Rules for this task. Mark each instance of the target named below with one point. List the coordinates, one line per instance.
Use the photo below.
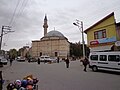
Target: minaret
(45, 26)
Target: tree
(12, 53)
(19, 51)
(76, 50)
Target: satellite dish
(117, 43)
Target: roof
(111, 14)
(54, 33)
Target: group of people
(84, 61)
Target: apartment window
(100, 34)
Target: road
(57, 77)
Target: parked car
(53, 59)
(21, 59)
(33, 59)
(3, 60)
(45, 58)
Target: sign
(103, 40)
(106, 40)
(94, 42)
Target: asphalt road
(57, 77)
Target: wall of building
(49, 47)
(108, 24)
(118, 31)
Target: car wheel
(94, 68)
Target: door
(56, 54)
(102, 62)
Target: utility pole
(79, 24)
(1, 37)
(5, 30)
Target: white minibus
(105, 61)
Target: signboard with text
(104, 40)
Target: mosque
(53, 44)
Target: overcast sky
(26, 18)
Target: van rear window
(94, 57)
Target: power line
(13, 18)
(14, 12)
(21, 9)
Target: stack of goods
(28, 83)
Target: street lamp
(79, 24)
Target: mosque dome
(54, 33)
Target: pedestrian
(1, 81)
(38, 60)
(29, 59)
(58, 60)
(85, 62)
(67, 62)
(11, 60)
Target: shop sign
(94, 42)
(104, 40)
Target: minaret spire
(45, 25)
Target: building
(53, 44)
(103, 35)
(24, 51)
(118, 31)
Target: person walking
(29, 59)
(1, 81)
(58, 60)
(85, 62)
(67, 62)
(38, 60)
(11, 60)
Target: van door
(102, 62)
(114, 62)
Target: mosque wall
(53, 48)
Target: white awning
(101, 48)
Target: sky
(26, 18)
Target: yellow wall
(108, 24)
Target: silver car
(3, 60)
